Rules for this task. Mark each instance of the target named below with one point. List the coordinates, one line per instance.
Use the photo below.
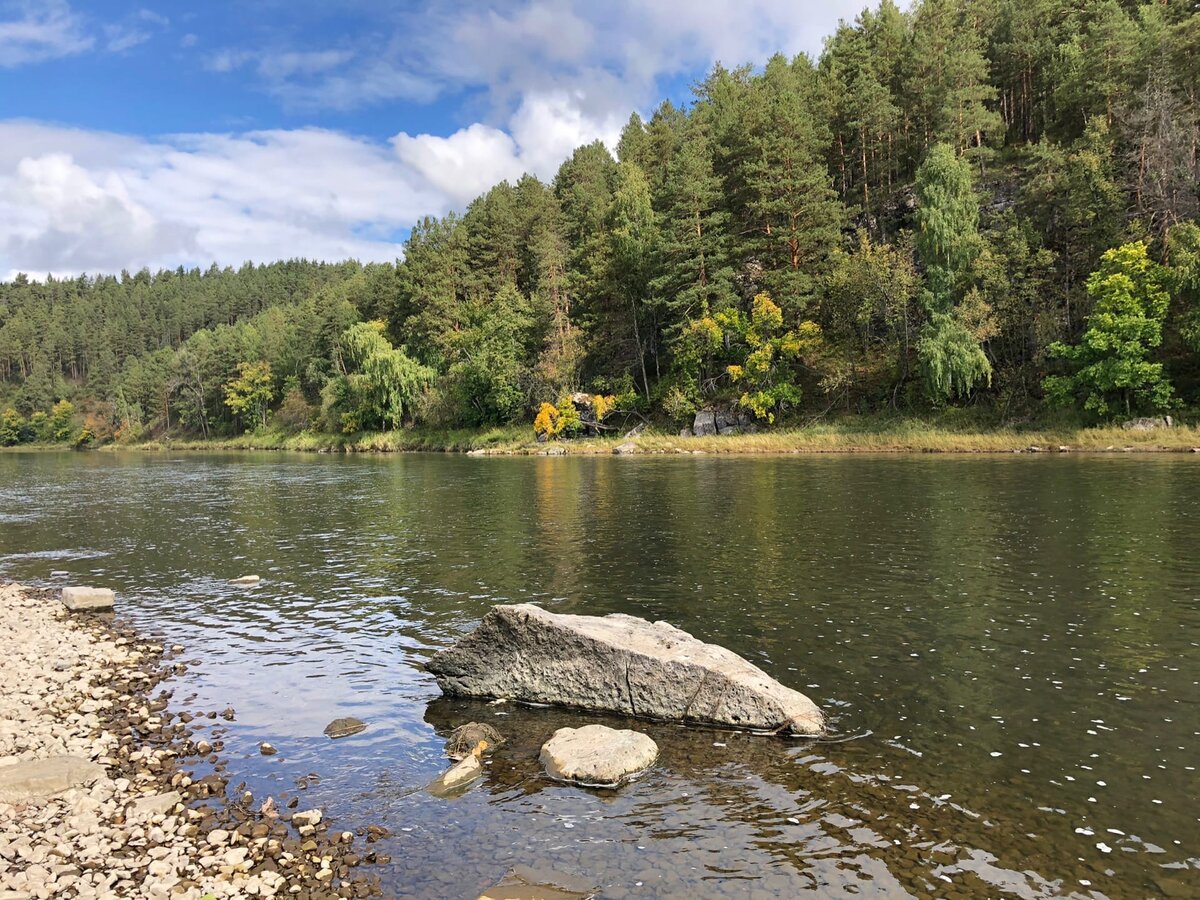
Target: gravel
(79, 685)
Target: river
(1008, 649)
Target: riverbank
(850, 436)
(101, 785)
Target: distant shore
(852, 436)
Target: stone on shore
(87, 599)
(1148, 423)
(154, 804)
(597, 756)
(618, 664)
(625, 448)
(345, 727)
(37, 779)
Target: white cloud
(464, 164)
(102, 202)
(42, 30)
(547, 75)
(550, 74)
(121, 39)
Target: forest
(985, 205)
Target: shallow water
(1010, 648)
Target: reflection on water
(1007, 648)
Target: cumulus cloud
(40, 30)
(551, 74)
(100, 202)
(543, 77)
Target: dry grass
(850, 436)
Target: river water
(1008, 649)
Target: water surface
(1007, 648)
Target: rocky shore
(101, 785)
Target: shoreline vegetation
(109, 788)
(903, 436)
(951, 210)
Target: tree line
(984, 203)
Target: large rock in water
(618, 664)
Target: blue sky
(156, 134)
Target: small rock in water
(597, 756)
(246, 579)
(227, 715)
(461, 773)
(465, 738)
(266, 749)
(345, 727)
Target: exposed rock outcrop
(618, 664)
(1148, 423)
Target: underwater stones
(466, 738)
(597, 756)
(618, 664)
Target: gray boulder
(1148, 423)
(618, 664)
(597, 756)
(87, 599)
(705, 423)
(625, 449)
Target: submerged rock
(87, 599)
(597, 756)
(467, 737)
(246, 579)
(345, 727)
(467, 770)
(620, 664)
(527, 883)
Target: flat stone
(345, 727)
(459, 774)
(597, 756)
(155, 804)
(87, 599)
(36, 779)
(618, 664)
(625, 448)
(528, 883)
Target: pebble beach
(107, 790)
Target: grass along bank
(854, 435)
